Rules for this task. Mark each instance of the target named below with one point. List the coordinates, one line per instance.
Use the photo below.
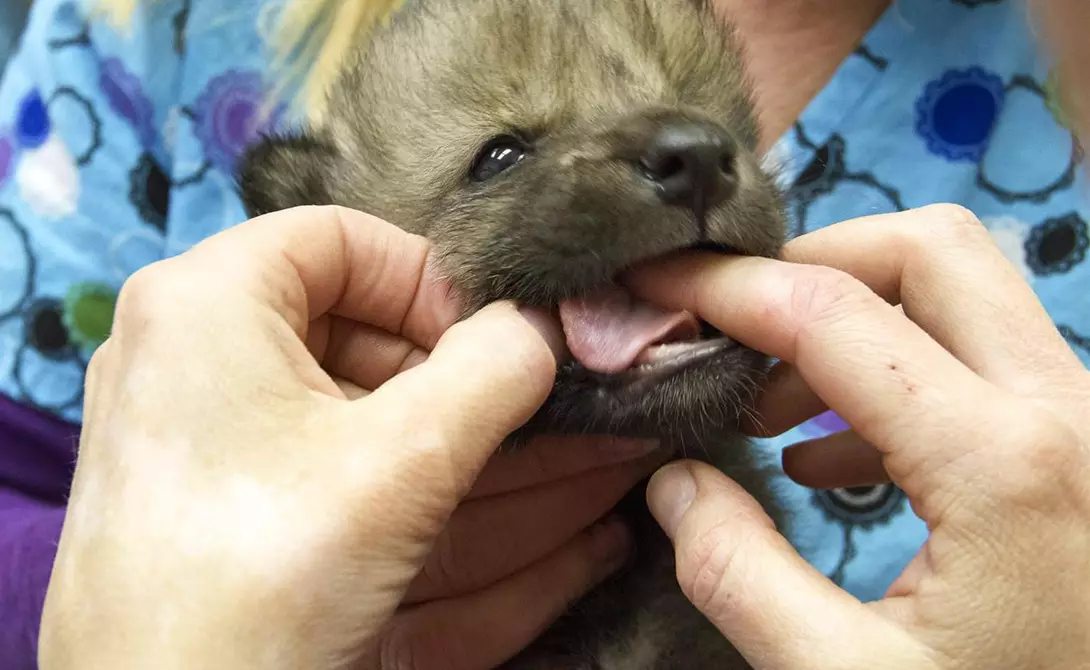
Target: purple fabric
(37, 453)
(29, 531)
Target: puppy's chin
(688, 402)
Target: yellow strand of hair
(309, 42)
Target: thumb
(776, 609)
(486, 376)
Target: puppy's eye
(498, 155)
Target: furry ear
(284, 171)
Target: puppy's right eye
(498, 155)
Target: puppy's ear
(284, 171)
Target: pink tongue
(609, 330)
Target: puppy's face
(544, 146)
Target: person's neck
(793, 48)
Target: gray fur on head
(583, 87)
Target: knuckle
(136, 293)
(95, 364)
(1045, 463)
(952, 224)
(152, 293)
(823, 294)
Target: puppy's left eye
(498, 155)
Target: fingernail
(670, 493)
(549, 328)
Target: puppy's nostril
(726, 164)
(662, 167)
(692, 163)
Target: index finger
(942, 265)
(897, 387)
(309, 261)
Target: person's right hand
(977, 408)
(287, 461)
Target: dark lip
(641, 377)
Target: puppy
(544, 146)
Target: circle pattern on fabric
(33, 121)
(49, 179)
(862, 506)
(49, 383)
(229, 116)
(45, 330)
(956, 112)
(1002, 171)
(149, 191)
(83, 127)
(814, 177)
(1057, 245)
(89, 313)
(827, 172)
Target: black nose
(692, 163)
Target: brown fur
(586, 83)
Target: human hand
(276, 435)
(977, 409)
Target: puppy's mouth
(621, 340)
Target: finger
(309, 261)
(489, 539)
(943, 267)
(835, 461)
(485, 378)
(896, 387)
(552, 458)
(784, 401)
(486, 628)
(778, 610)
